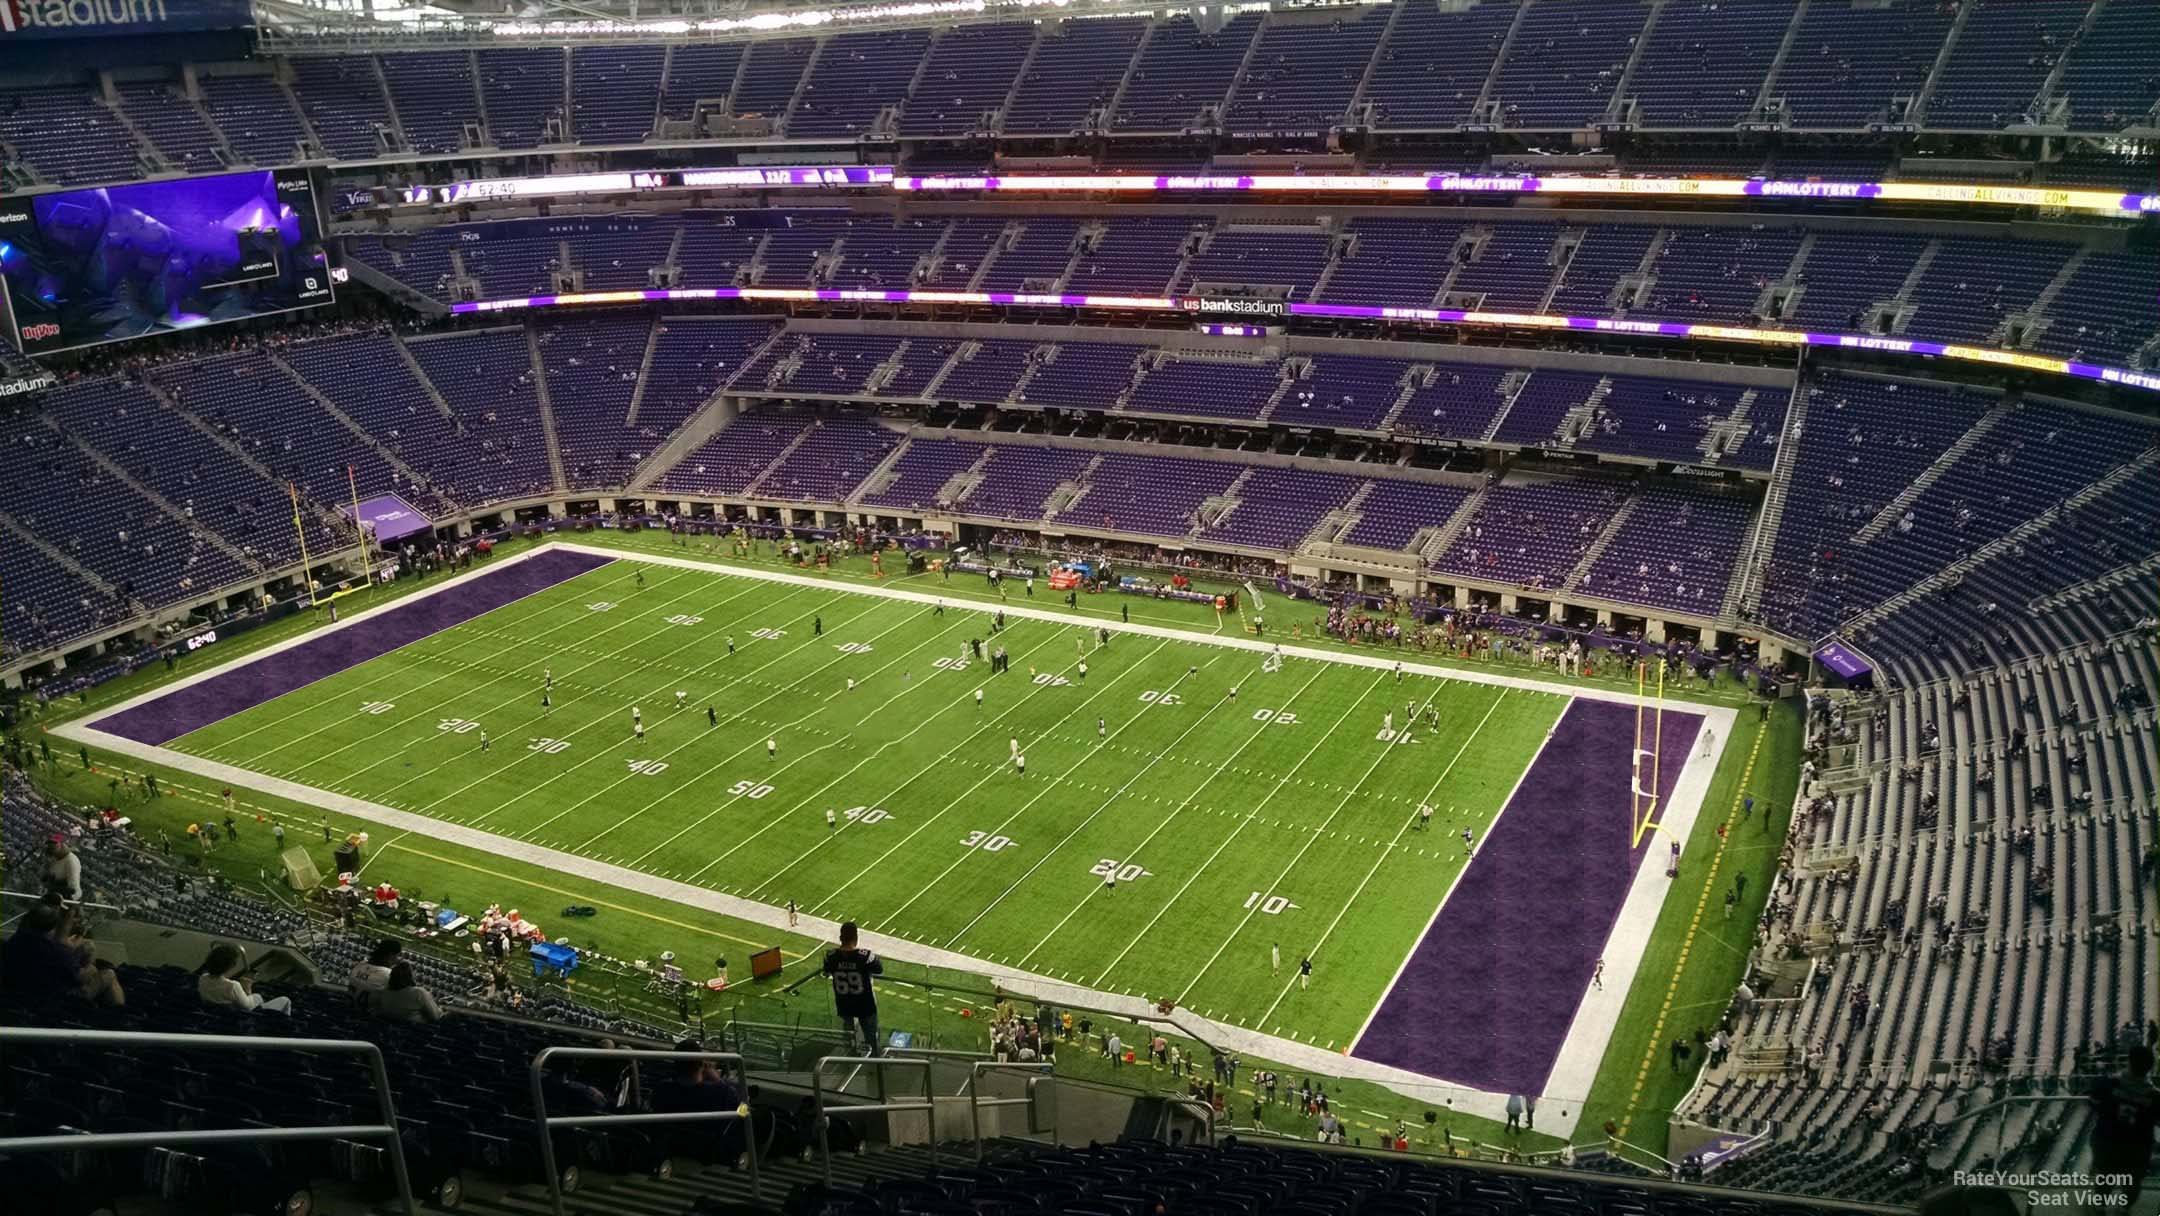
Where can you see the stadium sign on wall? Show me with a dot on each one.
(128, 18)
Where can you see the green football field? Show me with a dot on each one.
(1283, 815)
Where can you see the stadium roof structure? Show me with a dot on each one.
(302, 25)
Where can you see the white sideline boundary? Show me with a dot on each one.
(1572, 1073)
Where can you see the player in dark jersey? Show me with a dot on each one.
(850, 968)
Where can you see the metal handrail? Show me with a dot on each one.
(542, 1121)
(928, 1104)
(378, 1078)
(1043, 1070)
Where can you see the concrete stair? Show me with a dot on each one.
(1598, 546)
(547, 409)
(1897, 507)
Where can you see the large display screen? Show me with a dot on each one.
(119, 262)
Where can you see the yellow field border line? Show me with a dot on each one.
(1687, 944)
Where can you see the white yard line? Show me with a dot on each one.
(677, 680)
(1389, 851)
(1313, 837)
(305, 707)
(1106, 804)
(526, 695)
(1190, 798)
(811, 798)
(730, 758)
(985, 779)
(1384, 661)
(1242, 824)
(1586, 1038)
(1045, 792)
(348, 623)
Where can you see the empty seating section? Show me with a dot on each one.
(2109, 82)
(916, 364)
(1705, 61)
(2037, 455)
(1848, 63)
(257, 118)
(1455, 401)
(839, 364)
(968, 242)
(715, 256)
(1433, 65)
(368, 380)
(1213, 388)
(1183, 76)
(1858, 271)
(1709, 274)
(256, 406)
(1394, 512)
(836, 453)
(1974, 286)
(506, 268)
(922, 470)
(1717, 274)
(1019, 480)
(487, 377)
(68, 136)
(435, 97)
(692, 357)
(1754, 444)
(1081, 376)
(592, 374)
(699, 73)
(1076, 69)
(1607, 254)
(523, 90)
(48, 605)
(770, 73)
(174, 126)
(1261, 259)
(1342, 392)
(2000, 60)
(1150, 495)
(1565, 61)
(1034, 258)
(1410, 66)
(790, 256)
(1659, 419)
(1674, 551)
(737, 455)
(1540, 414)
(1394, 261)
(1133, 257)
(344, 103)
(620, 254)
(2104, 312)
(970, 72)
(988, 371)
(857, 76)
(881, 255)
(614, 92)
(1276, 509)
(103, 523)
(1531, 535)
(1512, 269)
(1302, 75)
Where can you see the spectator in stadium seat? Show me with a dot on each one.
(372, 974)
(47, 959)
(403, 999)
(63, 870)
(698, 1086)
(220, 981)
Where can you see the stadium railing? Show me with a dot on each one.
(885, 1104)
(76, 1141)
(544, 1122)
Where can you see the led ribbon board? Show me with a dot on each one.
(1425, 316)
(2102, 202)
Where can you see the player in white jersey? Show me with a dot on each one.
(1020, 764)
(680, 697)
(1013, 744)
(772, 748)
(1387, 723)
(978, 698)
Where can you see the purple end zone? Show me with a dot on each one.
(176, 713)
(1488, 995)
